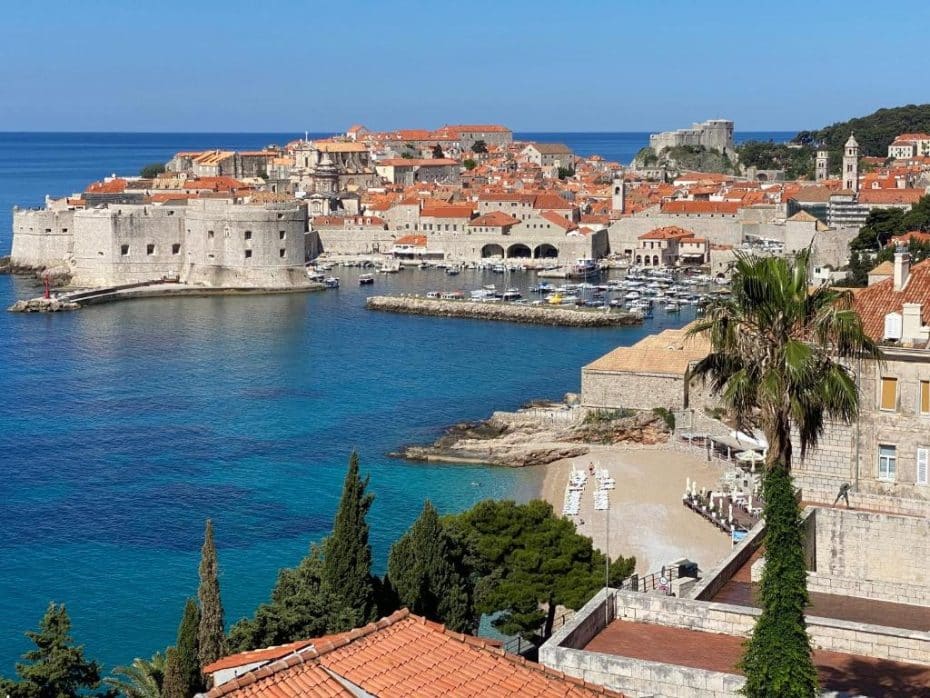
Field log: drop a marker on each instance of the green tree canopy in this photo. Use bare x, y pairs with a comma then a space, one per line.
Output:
437, 151
211, 636
141, 679
767, 155
523, 557
880, 225
188, 649
874, 132
346, 573
775, 361
298, 608
174, 685
777, 659
469, 164
151, 171
479, 147
56, 668
428, 573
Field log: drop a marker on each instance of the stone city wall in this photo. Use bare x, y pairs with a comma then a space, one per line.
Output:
357, 240
892, 592
42, 238
240, 245
126, 244
874, 547
718, 229
635, 391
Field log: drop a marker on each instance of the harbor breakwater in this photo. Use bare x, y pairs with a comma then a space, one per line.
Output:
506, 312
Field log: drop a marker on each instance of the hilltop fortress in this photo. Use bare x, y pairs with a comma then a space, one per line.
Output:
215, 242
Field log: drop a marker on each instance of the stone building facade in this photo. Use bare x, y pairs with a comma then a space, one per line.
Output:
654, 372
215, 242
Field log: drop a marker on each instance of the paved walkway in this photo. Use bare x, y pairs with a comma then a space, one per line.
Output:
740, 592
854, 674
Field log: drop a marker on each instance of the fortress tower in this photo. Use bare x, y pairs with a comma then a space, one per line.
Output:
822, 165
851, 165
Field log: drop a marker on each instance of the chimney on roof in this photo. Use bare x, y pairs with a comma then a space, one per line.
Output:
902, 267
912, 328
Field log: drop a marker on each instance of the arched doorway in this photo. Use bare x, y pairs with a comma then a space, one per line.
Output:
518, 250
639, 260
545, 251
655, 260
492, 250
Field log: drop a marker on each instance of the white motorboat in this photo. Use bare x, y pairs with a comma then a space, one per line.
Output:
366, 279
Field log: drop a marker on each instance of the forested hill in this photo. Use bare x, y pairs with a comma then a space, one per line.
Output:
874, 132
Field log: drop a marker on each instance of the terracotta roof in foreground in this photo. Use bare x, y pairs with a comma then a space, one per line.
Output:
405, 655
875, 301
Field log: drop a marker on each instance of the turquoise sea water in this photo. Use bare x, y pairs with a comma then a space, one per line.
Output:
122, 427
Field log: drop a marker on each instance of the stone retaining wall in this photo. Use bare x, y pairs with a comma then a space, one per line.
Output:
537, 315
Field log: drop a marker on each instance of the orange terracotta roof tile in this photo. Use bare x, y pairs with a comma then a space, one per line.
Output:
116, 185
417, 162
701, 207
875, 301
670, 232
916, 235
890, 196
494, 219
447, 211
557, 220
414, 240
268, 654
553, 202
404, 655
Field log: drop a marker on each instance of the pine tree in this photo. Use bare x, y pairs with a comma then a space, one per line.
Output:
174, 685
346, 574
298, 609
777, 661
211, 638
427, 575
56, 667
188, 648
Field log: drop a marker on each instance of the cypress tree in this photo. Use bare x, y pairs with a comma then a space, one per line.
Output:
211, 636
427, 575
174, 685
346, 574
187, 649
56, 667
777, 661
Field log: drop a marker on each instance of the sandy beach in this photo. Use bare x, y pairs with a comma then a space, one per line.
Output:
647, 518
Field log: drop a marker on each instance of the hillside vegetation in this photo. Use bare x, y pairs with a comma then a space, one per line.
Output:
874, 132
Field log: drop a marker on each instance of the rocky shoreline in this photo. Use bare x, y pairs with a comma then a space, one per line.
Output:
508, 312
537, 435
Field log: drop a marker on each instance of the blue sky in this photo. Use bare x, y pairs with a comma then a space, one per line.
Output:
292, 65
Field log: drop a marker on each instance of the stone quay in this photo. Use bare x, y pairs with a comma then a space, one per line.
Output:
506, 312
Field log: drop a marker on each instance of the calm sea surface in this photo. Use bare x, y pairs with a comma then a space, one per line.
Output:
122, 427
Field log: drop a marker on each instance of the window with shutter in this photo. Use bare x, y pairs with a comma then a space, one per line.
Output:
923, 465
924, 396
889, 393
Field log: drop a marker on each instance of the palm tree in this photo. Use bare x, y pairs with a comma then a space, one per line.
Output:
777, 360
141, 679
